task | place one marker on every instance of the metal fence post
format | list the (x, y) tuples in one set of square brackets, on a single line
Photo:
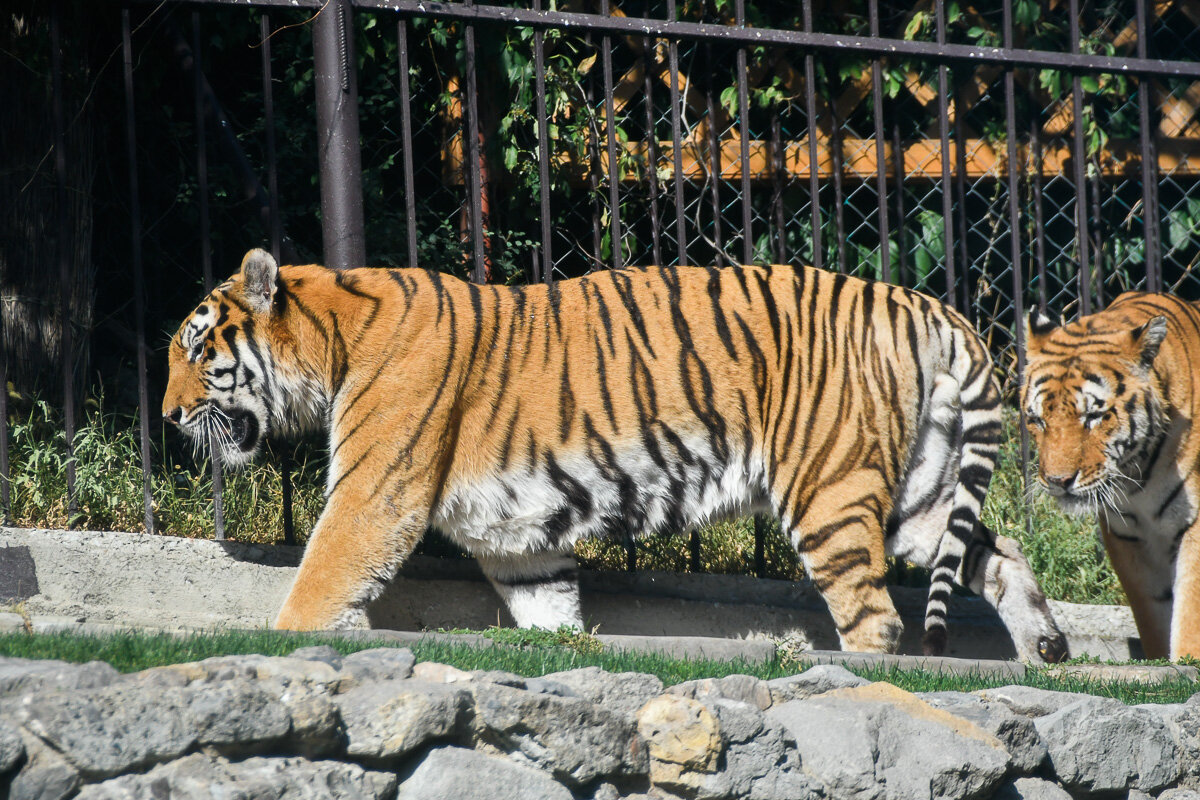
[(337, 136)]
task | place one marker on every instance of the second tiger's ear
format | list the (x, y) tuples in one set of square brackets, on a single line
[(1038, 327), (1148, 338), (260, 275)]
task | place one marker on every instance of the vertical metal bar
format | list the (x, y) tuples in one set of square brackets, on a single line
[(285, 459), (960, 187), (64, 258), (1015, 252), (218, 473), (1039, 223), (651, 147), (677, 142), (779, 238), (898, 166), (1150, 226), (1097, 249), (744, 128), (593, 151), (839, 194), (139, 283), (810, 105), (610, 129), (539, 55), (885, 232), (337, 136), (410, 188), (1078, 156), (471, 129), (714, 159), (944, 136), (6, 517)]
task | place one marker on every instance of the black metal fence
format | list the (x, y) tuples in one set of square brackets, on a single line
[(1040, 152)]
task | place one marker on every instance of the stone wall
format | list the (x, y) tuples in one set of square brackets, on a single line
[(378, 725)]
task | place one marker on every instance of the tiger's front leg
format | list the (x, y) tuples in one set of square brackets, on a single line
[(355, 549)]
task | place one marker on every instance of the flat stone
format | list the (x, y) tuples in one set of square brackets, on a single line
[(431, 672), (1101, 745), (321, 652), (386, 720), (1126, 673), (11, 746), (879, 741), (710, 648), (575, 740), (454, 772), (943, 665), (203, 777), (742, 688)]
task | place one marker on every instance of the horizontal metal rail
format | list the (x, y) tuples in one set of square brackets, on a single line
[(868, 46)]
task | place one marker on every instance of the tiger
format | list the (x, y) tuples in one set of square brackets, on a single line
[(518, 420), (1109, 400)]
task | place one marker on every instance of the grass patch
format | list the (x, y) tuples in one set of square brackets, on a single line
[(525, 653), (1062, 549)]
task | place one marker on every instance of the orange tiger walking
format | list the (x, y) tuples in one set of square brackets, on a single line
[(519, 420)]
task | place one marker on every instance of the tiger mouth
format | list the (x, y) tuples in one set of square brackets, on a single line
[(243, 430)]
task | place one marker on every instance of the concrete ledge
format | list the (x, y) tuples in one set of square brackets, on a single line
[(134, 579)]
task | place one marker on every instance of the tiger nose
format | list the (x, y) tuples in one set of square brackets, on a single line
[(1060, 481), (174, 415)]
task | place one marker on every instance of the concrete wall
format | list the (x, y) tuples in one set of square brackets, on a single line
[(168, 582)]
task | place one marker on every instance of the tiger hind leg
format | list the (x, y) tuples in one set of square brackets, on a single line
[(840, 541), (541, 590), (935, 524)]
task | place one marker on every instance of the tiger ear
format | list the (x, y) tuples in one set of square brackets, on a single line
[(260, 275), (1038, 326), (1148, 337)]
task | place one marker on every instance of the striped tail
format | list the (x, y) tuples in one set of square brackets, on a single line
[(981, 432)]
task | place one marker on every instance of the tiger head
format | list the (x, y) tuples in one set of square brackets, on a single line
[(220, 390), (1094, 406)]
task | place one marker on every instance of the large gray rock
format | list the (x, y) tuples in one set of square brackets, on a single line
[(388, 719), (104, 732), (575, 740), (878, 741), (1031, 789), (1101, 745), (454, 772), (813, 681), (623, 692), (742, 688), (1017, 733), (22, 676), (203, 777)]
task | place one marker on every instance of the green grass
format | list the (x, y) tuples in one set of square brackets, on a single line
[(526, 653), (1062, 549)]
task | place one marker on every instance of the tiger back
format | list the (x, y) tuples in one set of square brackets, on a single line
[(1110, 400), (518, 420)]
